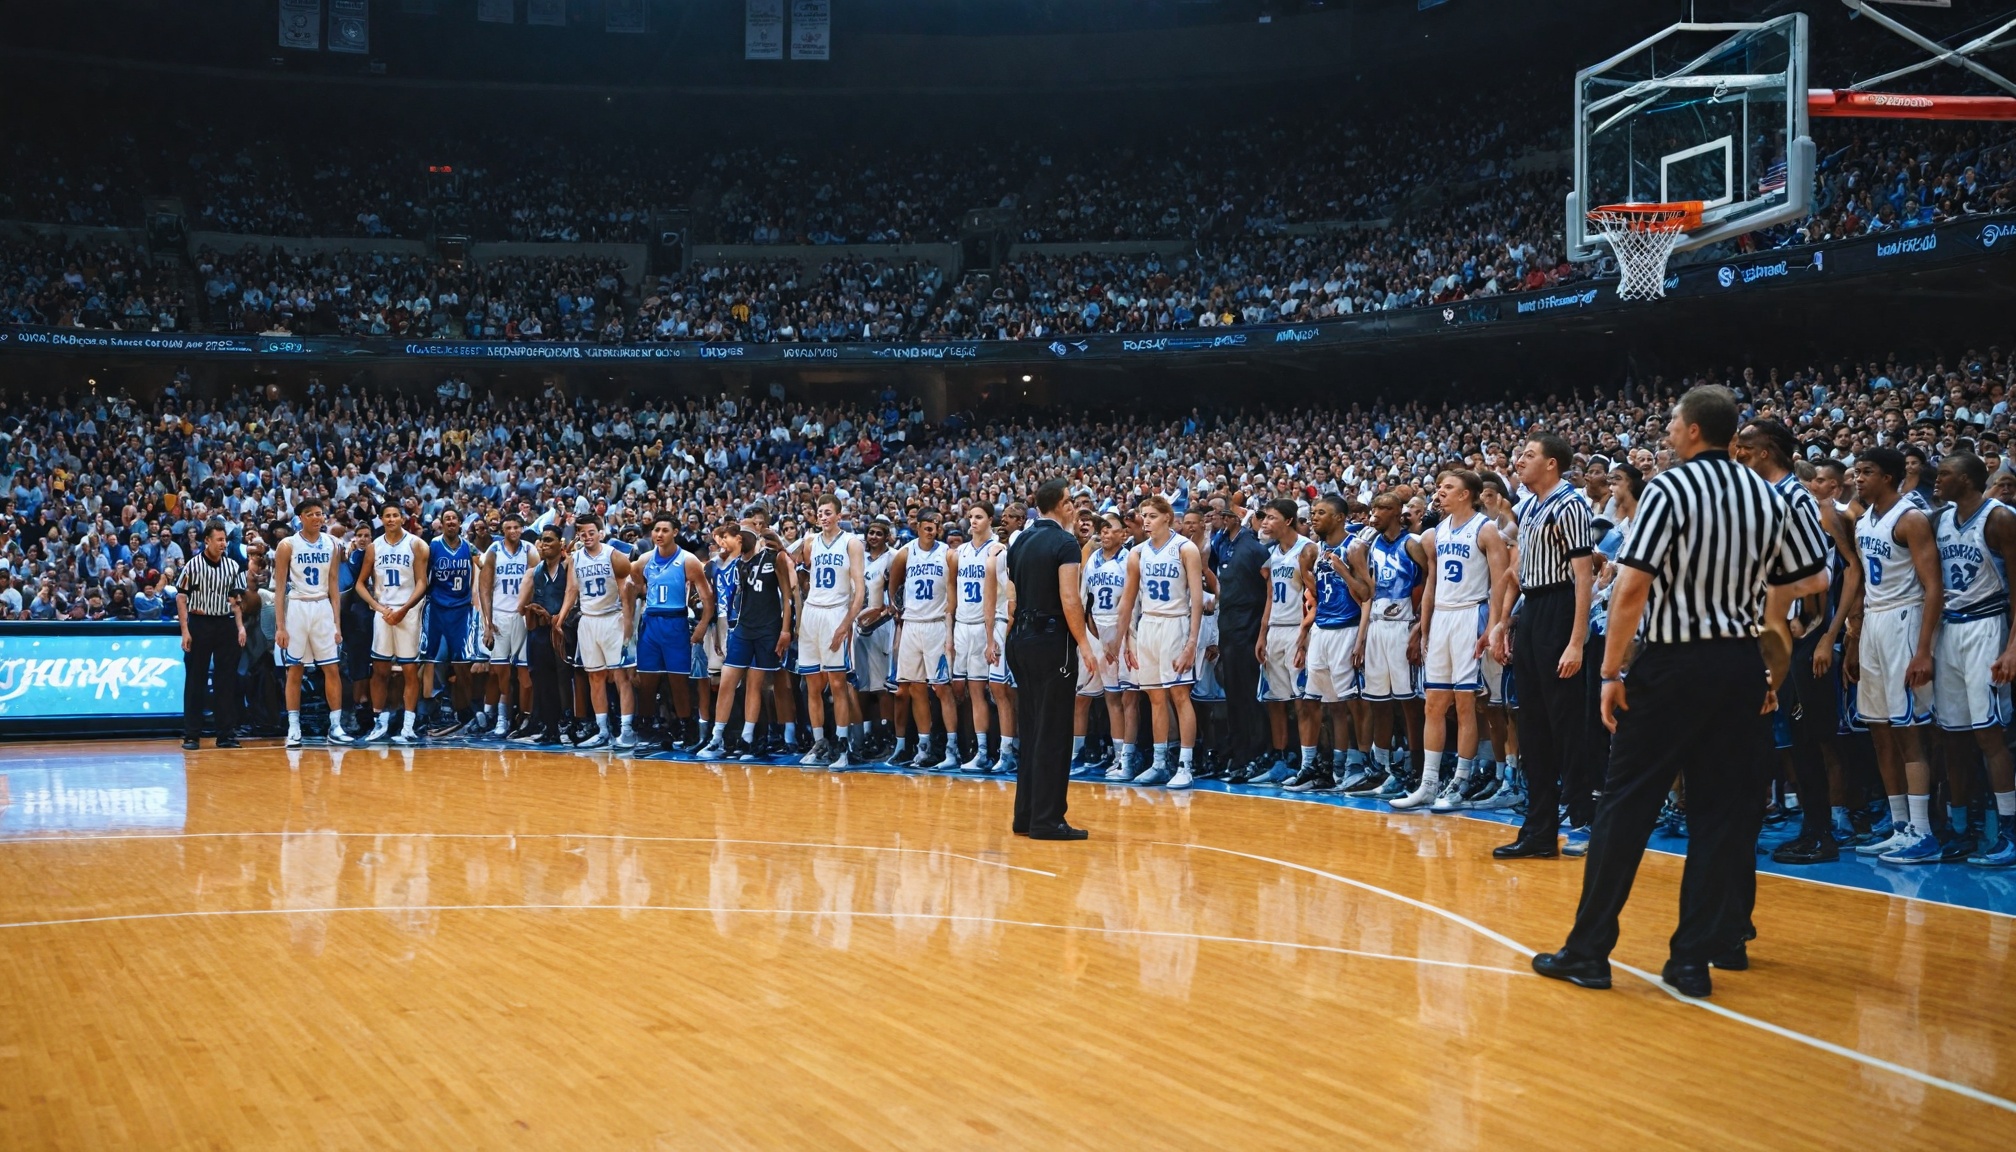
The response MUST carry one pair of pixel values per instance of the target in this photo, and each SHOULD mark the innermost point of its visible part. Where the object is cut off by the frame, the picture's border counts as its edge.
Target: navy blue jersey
(1334, 606)
(451, 574)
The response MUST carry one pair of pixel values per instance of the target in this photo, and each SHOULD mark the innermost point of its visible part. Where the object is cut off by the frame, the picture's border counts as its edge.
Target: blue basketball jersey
(450, 575)
(665, 583)
(1334, 606)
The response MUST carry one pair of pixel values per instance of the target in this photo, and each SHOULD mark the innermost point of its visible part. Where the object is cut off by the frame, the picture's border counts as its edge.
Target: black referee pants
(1552, 710)
(1044, 660)
(1812, 705)
(1693, 711)
(1245, 734)
(210, 675)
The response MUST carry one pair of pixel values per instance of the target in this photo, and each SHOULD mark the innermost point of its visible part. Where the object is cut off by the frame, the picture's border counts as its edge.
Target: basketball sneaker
(1423, 795)
(1484, 784)
(820, 755)
(1309, 779)
(1121, 770)
(1900, 835)
(951, 761)
(596, 739)
(2001, 855)
(1450, 798)
(1274, 776)
(713, 750)
(339, 735)
(1366, 783)
(1182, 779)
(980, 763)
(380, 729)
(1395, 787)
(1151, 775)
(626, 740)
(1006, 764)
(1917, 848)
(405, 738)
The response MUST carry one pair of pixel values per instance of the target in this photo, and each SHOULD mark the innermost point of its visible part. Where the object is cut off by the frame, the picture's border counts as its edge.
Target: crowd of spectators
(75, 285)
(101, 493)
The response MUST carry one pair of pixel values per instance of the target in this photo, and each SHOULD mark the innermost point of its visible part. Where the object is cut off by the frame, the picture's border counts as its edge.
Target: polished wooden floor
(454, 948)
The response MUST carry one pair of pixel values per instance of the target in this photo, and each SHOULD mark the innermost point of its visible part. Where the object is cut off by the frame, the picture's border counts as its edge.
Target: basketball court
(479, 947)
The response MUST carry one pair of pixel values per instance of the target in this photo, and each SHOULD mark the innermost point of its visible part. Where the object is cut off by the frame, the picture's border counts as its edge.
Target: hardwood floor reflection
(455, 948)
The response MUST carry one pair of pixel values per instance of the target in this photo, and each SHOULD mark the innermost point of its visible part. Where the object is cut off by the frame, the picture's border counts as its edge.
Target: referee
(213, 632)
(1557, 578)
(1049, 616)
(1716, 558)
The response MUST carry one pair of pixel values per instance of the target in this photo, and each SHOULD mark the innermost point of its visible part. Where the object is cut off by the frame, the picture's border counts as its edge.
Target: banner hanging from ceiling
(350, 26)
(301, 25)
(811, 29)
(763, 29)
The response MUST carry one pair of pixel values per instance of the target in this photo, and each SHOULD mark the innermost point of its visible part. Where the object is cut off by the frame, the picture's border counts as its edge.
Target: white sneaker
(1182, 778)
(713, 751)
(596, 739)
(293, 738)
(501, 730)
(1450, 799)
(337, 735)
(842, 761)
(406, 738)
(1422, 795)
(1119, 774)
(625, 740)
(950, 763)
(379, 731)
(1900, 835)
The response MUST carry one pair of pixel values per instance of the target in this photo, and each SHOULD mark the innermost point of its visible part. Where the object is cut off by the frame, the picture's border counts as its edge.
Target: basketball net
(1642, 237)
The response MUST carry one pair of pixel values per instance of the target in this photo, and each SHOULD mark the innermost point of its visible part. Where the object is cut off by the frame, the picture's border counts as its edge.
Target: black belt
(1548, 589)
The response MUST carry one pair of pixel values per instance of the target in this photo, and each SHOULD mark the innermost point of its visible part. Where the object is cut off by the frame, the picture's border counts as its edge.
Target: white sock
(1512, 766)
(409, 721)
(1161, 759)
(294, 721)
(1431, 766)
(602, 723)
(1900, 811)
(1355, 757)
(1382, 758)
(342, 717)
(1126, 753)
(748, 733)
(627, 720)
(1920, 808)
(902, 742)
(845, 733)
(2005, 806)
(1077, 746)
(1011, 744)
(1185, 757)
(1465, 767)
(981, 738)
(1308, 755)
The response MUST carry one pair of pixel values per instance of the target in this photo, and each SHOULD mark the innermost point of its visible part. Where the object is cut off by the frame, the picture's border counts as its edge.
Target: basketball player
(1391, 562)
(595, 581)
(1457, 613)
(306, 608)
(924, 645)
(833, 599)
(875, 642)
(396, 565)
(973, 626)
(1284, 635)
(760, 634)
(1891, 662)
(665, 580)
(1000, 681)
(1103, 581)
(1975, 657)
(500, 585)
(1165, 578)
(724, 580)
(1330, 680)
(1501, 694)
(450, 626)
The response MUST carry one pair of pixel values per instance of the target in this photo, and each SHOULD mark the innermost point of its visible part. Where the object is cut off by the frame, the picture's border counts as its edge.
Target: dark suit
(1240, 561)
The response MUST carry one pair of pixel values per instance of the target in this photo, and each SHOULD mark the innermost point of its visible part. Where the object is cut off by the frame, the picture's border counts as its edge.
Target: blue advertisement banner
(90, 673)
(1881, 254)
(108, 794)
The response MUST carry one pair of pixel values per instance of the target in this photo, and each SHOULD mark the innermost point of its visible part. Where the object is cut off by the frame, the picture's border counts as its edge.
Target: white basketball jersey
(1284, 574)
(1891, 581)
(973, 564)
(392, 568)
(875, 573)
(1165, 590)
(1001, 581)
(1105, 581)
(1462, 577)
(507, 575)
(827, 564)
(310, 567)
(597, 577)
(1976, 585)
(927, 578)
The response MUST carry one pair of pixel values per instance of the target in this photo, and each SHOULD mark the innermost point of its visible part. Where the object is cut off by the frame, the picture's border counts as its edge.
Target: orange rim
(1678, 216)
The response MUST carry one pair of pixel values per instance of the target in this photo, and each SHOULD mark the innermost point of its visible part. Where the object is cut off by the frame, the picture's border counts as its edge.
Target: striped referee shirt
(210, 587)
(1713, 534)
(1805, 520)
(1554, 529)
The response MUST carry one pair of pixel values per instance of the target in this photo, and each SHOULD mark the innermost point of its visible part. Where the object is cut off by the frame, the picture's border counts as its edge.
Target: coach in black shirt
(1043, 644)
(1713, 564)
(1239, 559)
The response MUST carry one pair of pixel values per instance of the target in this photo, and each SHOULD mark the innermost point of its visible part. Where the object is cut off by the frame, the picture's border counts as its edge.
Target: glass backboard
(1708, 112)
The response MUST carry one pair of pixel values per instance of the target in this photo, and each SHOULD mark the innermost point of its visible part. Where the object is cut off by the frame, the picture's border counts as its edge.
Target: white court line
(713, 909)
(1798, 878)
(1927, 1078)
(525, 836)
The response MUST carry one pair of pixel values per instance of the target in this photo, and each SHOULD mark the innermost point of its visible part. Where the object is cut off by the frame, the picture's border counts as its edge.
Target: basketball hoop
(1642, 236)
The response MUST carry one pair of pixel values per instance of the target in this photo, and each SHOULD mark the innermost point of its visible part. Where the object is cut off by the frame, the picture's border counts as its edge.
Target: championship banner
(552, 13)
(626, 16)
(301, 25)
(811, 29)
(497, 11)
(350, 26)
(763, 29)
